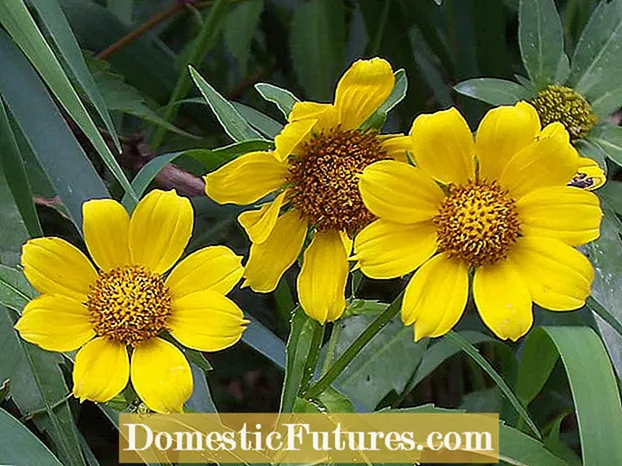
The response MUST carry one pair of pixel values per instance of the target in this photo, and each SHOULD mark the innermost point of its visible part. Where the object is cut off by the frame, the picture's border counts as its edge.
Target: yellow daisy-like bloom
(313, 175)
(127, 302)
(497, 208)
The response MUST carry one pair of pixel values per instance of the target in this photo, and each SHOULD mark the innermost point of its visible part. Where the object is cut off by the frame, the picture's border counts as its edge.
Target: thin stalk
(332, 345)
(314, 354)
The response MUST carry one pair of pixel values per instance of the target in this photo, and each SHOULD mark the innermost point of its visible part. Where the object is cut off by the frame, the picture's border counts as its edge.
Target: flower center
(324, 178)
(477, 223)
(129, 304)
(561, 103)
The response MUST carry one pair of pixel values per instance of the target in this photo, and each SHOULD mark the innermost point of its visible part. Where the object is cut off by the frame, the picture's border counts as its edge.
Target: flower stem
(314, 354)
(350, 353)
(332, 344)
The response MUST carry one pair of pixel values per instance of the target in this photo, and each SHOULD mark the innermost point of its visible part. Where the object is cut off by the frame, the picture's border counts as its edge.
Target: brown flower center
(129, 304)
(477, 223)
(324, 178)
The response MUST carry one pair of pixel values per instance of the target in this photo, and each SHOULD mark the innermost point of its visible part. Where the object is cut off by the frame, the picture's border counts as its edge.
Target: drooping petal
(549, 161)
(161, 376)
(589, 175)
(436, 296)
(569, 214)
(55, 323)
(397, 146)
(557, 275)
(268, 261)
(106, 225)
(54, 266)
(206, 321)
(214, 268)
(325, 114)
(502, 133)
(290, 137)
(388, 250)
(323, 276)
(246, 179)
(101, 370)
(258, 224)
(399, 192)
(160, 229)
(361, 90)
(443, 146)
(503, 300)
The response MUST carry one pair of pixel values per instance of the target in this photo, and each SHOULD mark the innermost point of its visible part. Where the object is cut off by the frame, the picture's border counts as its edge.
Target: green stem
(355, 347)
(314, 354)
(599, 309)
(47, 409)
(202, 44)
(332, 344)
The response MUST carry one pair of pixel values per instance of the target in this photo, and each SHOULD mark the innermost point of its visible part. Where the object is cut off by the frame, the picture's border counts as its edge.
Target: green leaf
(232, 122)
(609, 139)
(599, 417)
(385, 364)
(201, 400)
(493, 91)
(15, 291)
(12, 165)
(72, 175)
(52, 16)
(318, 62)
(20, 446)
(282, 98)
(262, 340)
(474, 354)
(261, 122)
(298, 351)
(538, 358)
(597, 60)
(17, 20)
(239, 30)
(214, 158)
(11, 238)
(541, 40)
(38, 388)
(592, 151)
(335, 401)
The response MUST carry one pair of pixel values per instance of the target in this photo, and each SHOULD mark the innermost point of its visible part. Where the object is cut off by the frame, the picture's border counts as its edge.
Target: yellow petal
(101, 370)
(361, 90)
(503, 300)
(436, 296)
(160, 229)
(269, 260)
(388, 250)
(569, 214)
(214, 268)
(206, 321)
(397, 146)
(259, 223)
(502, 133)
(549, 161)
(589, 175)
(323, 276)
(557, 275)
(55, 323)
(246, 179)
(308, 111)
(291, 136)
(54, 266)
(399, 192)
(106, 224)
(443, 146)
(161, 376)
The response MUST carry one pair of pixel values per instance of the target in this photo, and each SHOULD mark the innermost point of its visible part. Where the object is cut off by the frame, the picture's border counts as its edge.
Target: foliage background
(79, 119)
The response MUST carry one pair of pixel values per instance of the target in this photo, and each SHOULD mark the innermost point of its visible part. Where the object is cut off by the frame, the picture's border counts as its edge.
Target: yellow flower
(496, 208)
(312, 173)
(127, 302)
(589, 175)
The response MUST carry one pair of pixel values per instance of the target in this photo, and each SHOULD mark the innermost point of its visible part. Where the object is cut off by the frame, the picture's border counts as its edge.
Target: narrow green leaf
(17, 20)
(590, 150)
(52, 16)
(318, 62)
(597, 59)
(541, 40)
(20, 446)
(232, 122)
(72, 175)
(538, 358)
(214, 158)
(261, 122)
(609, 139)
(12, 237)
(12, 165)
(15, 291)
(201, 400)
(474, 354)
(282, 98)
(262, 340)
(599, 417)
(493, 91)
(335, 402)
(239, 30)
(122, 9)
